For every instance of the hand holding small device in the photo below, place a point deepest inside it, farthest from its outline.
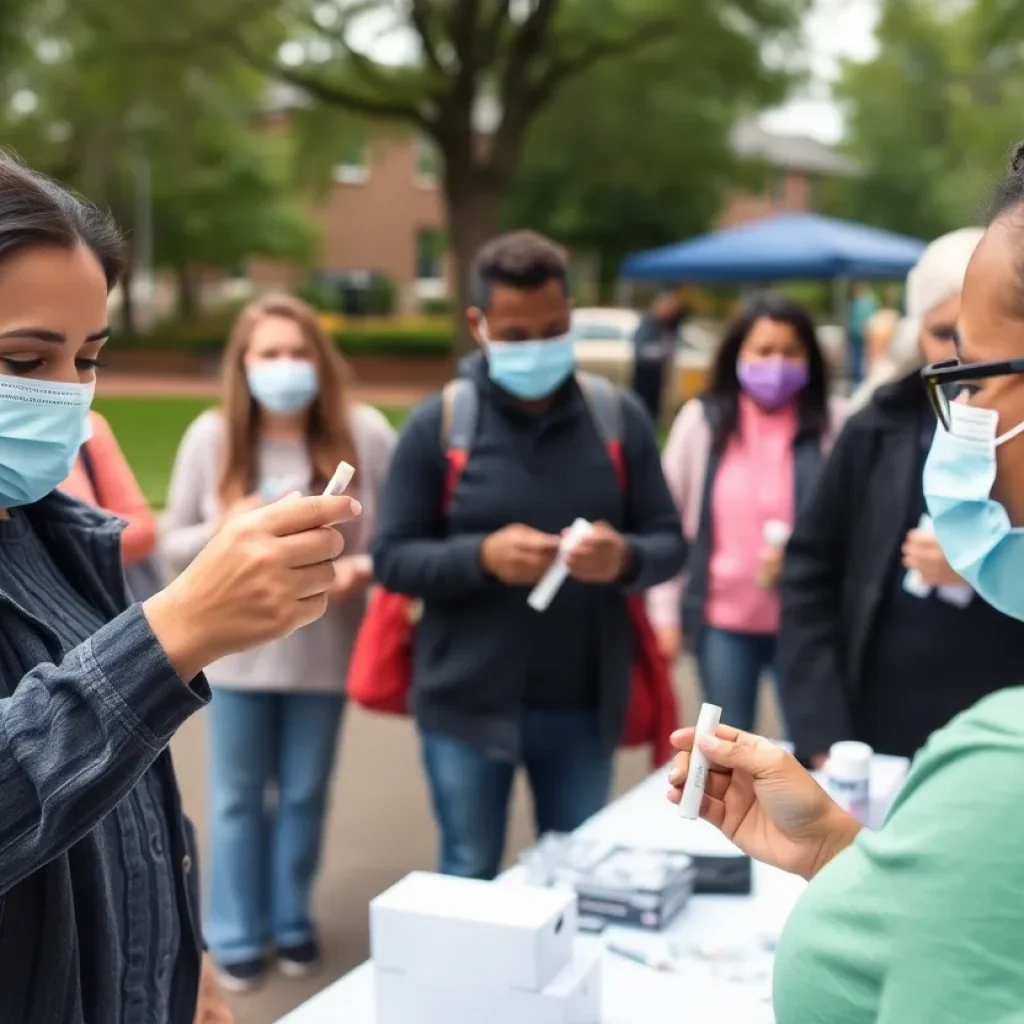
(923, 556)
(518, 555)
(600, 556)
(769, 570)
(758, 796)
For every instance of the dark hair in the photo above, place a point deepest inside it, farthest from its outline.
(1009, 193)
(520, 259)
(37, 211)
(724, 385)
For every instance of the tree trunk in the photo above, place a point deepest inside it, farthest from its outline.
(474, 214)
(128, 324)
(188, 293)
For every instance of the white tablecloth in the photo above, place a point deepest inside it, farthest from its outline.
(728, 978)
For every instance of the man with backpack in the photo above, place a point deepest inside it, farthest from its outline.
(485, 480)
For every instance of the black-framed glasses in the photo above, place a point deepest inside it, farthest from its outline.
(947, 381)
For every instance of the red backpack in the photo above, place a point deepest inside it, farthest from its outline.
(380, 672)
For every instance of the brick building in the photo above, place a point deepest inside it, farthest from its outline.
(384, 212)
(795, 165)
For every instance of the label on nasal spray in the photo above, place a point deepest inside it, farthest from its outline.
(693, 789)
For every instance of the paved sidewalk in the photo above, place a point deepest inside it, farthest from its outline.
(127, 385)
(379, 827)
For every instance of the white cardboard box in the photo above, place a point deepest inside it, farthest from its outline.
(888, 774)
(574, 997)
(448, 931)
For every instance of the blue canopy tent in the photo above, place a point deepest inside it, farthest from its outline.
(789, 246)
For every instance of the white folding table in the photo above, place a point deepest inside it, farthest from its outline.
(725, 978)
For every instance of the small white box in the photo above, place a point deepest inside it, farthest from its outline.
(446, 930)
(574, 997)
(888, 774)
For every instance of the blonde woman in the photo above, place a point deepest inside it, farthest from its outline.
(285, 422)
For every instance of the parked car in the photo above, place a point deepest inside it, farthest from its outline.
(604, 345)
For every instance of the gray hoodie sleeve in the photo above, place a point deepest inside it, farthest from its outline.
(185, 528)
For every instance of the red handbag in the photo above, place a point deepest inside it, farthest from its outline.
(380, 671)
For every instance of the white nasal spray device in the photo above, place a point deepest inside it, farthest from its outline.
(551, 582)
(913, 581)
(340, 481)
(697, 777)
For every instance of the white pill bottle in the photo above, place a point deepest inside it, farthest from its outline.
(848, 777)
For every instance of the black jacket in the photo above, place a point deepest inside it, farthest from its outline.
(842, 579)
(655, 341)
(478, 641)
(838, 562)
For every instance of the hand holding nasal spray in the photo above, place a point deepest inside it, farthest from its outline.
(958, 594)
(338, 483)
(551, 582)
(697, 777)
(913, 581)
(775, 537)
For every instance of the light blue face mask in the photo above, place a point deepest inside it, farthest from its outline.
(283, 386)
(42, 426)
(530, 369)
(972, 528)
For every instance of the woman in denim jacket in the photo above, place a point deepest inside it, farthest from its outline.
(97, 865)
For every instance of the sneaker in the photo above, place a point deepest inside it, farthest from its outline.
(244, 977)
(299, 961)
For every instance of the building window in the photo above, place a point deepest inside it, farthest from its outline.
(427, 162)
(430, 249)
(354, 166)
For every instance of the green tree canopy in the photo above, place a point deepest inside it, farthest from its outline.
(471, 74)
(933, 115)
(636, 153)
(221, 186)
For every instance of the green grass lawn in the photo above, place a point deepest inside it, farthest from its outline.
(149, 430)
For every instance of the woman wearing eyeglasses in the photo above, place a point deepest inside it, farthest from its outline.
(920, 922)
(880, 636)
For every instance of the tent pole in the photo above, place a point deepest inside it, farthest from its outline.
(624, 293)
(841, 311)
(840, 300)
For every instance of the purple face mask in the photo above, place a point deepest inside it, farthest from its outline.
(772, 382)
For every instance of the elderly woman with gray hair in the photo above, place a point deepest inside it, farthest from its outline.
(880, 638)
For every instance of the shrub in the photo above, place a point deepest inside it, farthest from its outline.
(207, 337)
(437, 307)
(320, 296)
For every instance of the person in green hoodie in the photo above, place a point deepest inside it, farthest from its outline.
(921, 921)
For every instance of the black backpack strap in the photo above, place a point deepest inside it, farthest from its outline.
(605, 403)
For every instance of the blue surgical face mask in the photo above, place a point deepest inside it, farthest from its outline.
(42, 426)
(283, 386)
(973, 529)
(530, 369)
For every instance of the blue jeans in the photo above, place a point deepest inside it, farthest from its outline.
(730, 667)
(570, 777)
(263, 855)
